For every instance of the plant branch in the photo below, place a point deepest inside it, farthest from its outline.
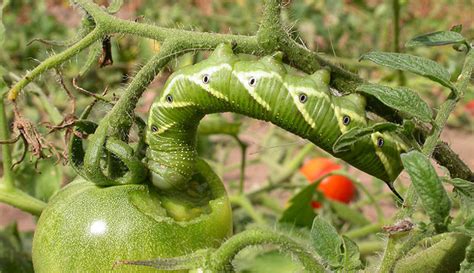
(222, 257)
(54, 61)
(21, 200)
(393, 245)
(270, 37)
(8, 182)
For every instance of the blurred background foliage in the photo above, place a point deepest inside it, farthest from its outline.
(341, 30)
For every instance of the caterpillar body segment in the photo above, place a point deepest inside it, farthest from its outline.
(261, 89)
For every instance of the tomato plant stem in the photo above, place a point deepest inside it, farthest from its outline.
(6, 153)
(364, 231)
(21, 200)
(393, 244)
(55, 61)
(272, 36)
(222, 257)
(245, 204)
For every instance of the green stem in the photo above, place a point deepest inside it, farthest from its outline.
(368, 248)
(8, 181)
(245, 204)
(55, 61)
(393, 244)
(389, 256)
(396, 36)
(222, 257)
(21, 200)
(243, 152)
(288, 171)
(448, 106)
(364, 231)
(271, 37)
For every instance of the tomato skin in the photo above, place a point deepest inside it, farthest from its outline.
(338, 188)
(334, 187)
(318, 167)
(470, 107)
(86, 228)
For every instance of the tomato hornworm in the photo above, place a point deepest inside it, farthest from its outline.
(263, 89)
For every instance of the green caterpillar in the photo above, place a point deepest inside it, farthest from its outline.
(262, 89)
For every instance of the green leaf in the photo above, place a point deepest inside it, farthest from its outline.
(349, 214)
(2, 27)
(326, 242)
(467, 266)
(429, 188)
(349, 138)
(352, 260)
(436, 39)
(300, 212)
(41, 182)
(463, 187)
(400, 98)
(418, 65)
(465, 191)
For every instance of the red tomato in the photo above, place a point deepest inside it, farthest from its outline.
(470, 107)
(334, 187)
(318, 167)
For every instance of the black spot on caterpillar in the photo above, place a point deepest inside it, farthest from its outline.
(262, 89)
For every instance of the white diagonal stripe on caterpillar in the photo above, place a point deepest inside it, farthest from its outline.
(244, 77)
(294, 92)
(381, 155)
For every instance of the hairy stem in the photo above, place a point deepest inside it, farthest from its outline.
(54, 61)
(222, 257)
(8, 182)
(271, 37)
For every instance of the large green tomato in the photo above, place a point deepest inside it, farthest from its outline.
(86, 228)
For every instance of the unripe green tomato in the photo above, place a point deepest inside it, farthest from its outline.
(86, 228)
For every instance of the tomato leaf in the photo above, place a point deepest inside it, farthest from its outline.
(429, 188)
(463, 187)
(352, 260)
(327, 242)
(437, 38)
(300, 212)
(418, 65)
(346, 140)
(348, 214)
(400, 98)
(465, 191)
(467, 265)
